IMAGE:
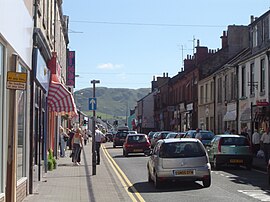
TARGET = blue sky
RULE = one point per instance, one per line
(124, 43)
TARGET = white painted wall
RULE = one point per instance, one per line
(16, 26)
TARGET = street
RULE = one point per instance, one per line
(228, 184)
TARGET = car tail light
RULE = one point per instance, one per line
(219, 146)
(128, 145)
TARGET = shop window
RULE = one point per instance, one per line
(1, 110)
(22, 107)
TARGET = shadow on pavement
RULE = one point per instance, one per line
(240, 175)
(146, 187)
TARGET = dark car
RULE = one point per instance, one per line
(136, 143)
(204, 136)
(119, 138)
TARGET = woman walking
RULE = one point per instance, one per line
(77, 145)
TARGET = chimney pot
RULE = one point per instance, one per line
(251, 18)
(198, 43)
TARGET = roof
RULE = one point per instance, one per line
(229, 135)
(180, 140)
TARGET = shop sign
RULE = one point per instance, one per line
(182, 107)
(16, 80)
(262, 103)
(71, 69)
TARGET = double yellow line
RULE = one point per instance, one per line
(134, 195)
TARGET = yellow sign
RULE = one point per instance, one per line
(17, 77)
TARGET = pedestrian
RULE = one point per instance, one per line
(99, 138)
(69, 142)
(85, 136)
(62, 138)
(256, 141)
(77, 145)
(265, 140)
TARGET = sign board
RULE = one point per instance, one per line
(92, 103)
(16, 80)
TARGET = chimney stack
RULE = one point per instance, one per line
(251, 18)
(224, 40)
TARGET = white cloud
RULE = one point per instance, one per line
(109, 66)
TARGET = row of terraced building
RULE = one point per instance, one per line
(227, 88)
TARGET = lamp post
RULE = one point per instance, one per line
(94, 155)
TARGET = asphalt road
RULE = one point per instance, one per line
(228, 184)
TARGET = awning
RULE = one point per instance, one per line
(60, 100)
(230, 116)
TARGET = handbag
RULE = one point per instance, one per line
(66, 138)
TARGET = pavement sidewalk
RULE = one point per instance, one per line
(76, 183)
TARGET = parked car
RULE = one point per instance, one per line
(119, 138)
(175, 135)
(136, 143)
(228, 149)
(109, 137)
(204, 136)
(159, 136)
(182, 159)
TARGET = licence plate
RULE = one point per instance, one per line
(236, 161)
(137, 150)
(184, 172)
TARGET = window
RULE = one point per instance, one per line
(255, 36)
(233, 86)
(252, 76)
(212, 91)
(243, 85)
(262, 80)
(226, 88)
(219, 90)
(206, 93)
(21, 102)
(202, 96)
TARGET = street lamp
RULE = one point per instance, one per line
(94, 155)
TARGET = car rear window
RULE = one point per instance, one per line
(181, 150)
(237, 141)
(121, 135)
(136, 139)
(206, 135)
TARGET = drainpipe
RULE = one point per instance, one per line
(32, 81)
(237, 98)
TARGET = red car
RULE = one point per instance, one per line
(136, 143)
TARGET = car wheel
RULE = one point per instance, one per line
(207, 182)
(215, 164)
(157, 182)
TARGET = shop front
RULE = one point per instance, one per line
(229, 118)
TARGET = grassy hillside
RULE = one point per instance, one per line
(111, 102)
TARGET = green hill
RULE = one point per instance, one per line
(111, 102)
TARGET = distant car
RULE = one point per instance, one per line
(182, 159)
(228, 149)
(204, 136)
(175, 135)
(159, 136)
(150, 135)
(136, 143)
(132, 132)
(119, 138)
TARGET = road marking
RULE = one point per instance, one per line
(123, 178)
(257, 194)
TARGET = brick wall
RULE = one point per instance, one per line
(21, 189)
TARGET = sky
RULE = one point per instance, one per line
(125, 43)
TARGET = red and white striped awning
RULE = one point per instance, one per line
(60, 100)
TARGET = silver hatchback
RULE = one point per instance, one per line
(182, 159)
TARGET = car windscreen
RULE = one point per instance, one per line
(181, 150)
(136, 139)
(234, 141)
(171, 135)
